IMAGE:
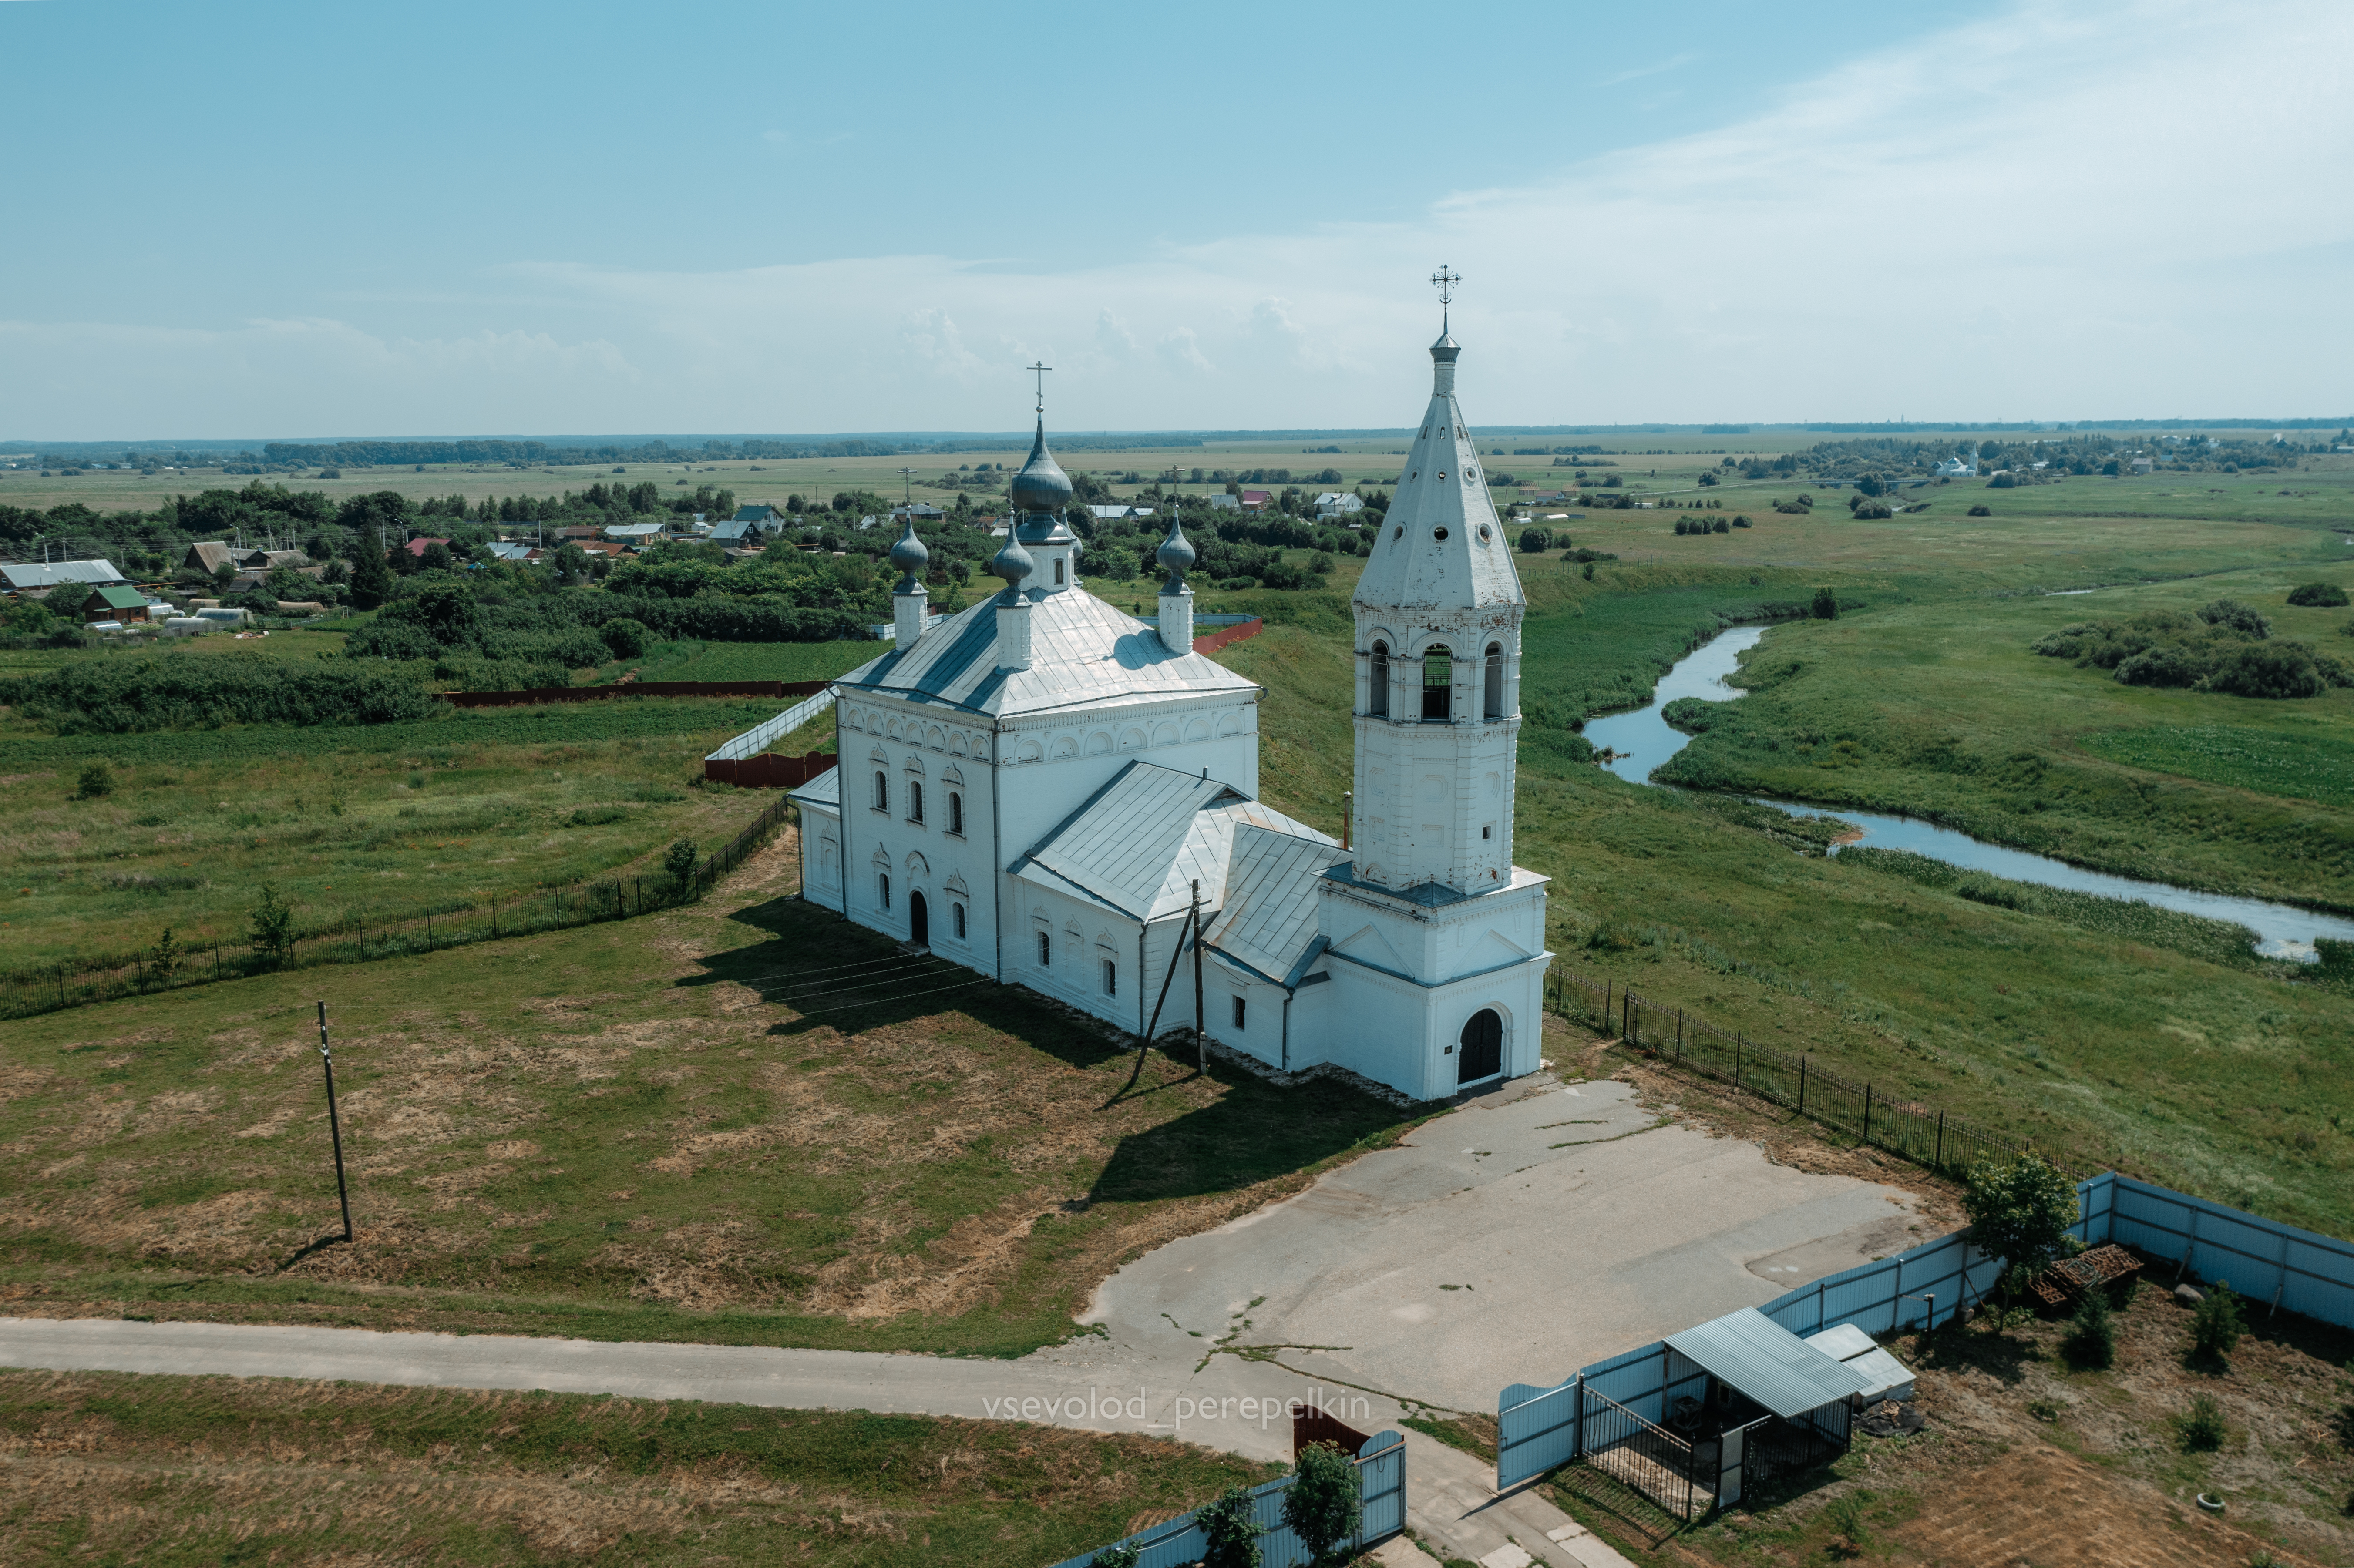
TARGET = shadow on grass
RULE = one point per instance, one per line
(1997, 1353)
(1251, 1132)
(322, 1244)
(1597, 1491)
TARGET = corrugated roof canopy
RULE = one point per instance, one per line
(1768, 1363)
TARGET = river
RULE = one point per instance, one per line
(1642, 740)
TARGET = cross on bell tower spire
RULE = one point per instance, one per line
(1040, 369)
(1445, 280)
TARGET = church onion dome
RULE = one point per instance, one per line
(1012, 562)
(1446, 351)
(1175, 556)
(910, 557)
(1041, 486)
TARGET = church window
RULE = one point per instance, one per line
(955, 813)
(1400, 534)
(916, 800)
(882, 882)
(882, 790)
(1495, 684)
(956, 920)
(1438, 533)
(1058, 571)
(1242, 1012)
(1437, 685)
(1045, 949)
(1378, 699)
(1111, 978)
(1487, 829)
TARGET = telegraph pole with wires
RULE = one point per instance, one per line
(335, 1125)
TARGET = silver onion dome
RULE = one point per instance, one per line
(1175, 554)
(1041, 486)
(1012, 562)
(910, 557)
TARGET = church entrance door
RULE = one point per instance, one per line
(1481, 1053)
(919, 921)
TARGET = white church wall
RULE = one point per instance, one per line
(1081, 938)
(1052, 765)
(820, 849)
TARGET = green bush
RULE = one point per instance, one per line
(2325, 596)
(97, 780)
(1826, 605)
(625, 637)
(1233, 1534)
(1321, 1505)
(1981, 510)
(273, 933)
(1537, 541)
(2091, 1340)
(2217, 1325)
(2202, 1425)
(1116, 1557)
(2019, 1211)
(679, 861)
(2239, 617)
(181, 691)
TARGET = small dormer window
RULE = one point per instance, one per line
(1058, 571)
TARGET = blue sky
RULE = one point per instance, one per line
(248, 220)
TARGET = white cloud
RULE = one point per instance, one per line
(2097, 210)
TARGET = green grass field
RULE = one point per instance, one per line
(104, 1467)
(1937, 709)
(386, 822)
(695, 661)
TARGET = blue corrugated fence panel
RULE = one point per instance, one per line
(1381, 1489)
(1636, 1380)
(1536, 1434)
(1381, 1513)
(2313, 1274)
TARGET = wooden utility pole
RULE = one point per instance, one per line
(1201, 1032)
(335, 1125)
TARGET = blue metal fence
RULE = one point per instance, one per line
(2264, 1260)
(1381, 1513)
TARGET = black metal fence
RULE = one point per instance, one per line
(1925, 1135)
(1639, 1454)
(357, 938)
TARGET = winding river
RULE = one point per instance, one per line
(1641, 740)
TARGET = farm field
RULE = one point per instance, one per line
(692, 660)
(109, 1467)
(384, 822)
(1940, 710)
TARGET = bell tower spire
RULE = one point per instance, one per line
(1438, 611)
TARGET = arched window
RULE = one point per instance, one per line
(914, 800)
(882, 881)
(1111, 978)
(1378, 702)
(1437, 683)
(1495, 690)
(955, 813)
(956, 920)
(882, 790)
(1045, 949)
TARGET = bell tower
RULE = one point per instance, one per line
(1437, 711)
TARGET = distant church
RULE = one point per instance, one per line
(1034, 787)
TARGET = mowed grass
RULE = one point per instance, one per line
(387, 822)
(1939, 710)
(2110, 1045)
(298, 644)
(109, 1467)
(741, 1122)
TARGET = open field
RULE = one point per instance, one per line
(166, 1470)
(386, 822)
(1939, 710)
(692, 660)
(2111, 1049)
(626, 1131)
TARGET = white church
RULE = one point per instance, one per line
(1040, 787)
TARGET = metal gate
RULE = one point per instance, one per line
(1651, 1459)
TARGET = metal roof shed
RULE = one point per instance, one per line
(1761, 1359)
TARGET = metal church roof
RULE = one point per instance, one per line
(1140, 843)
(1082, 652)
(1268, 917)
(1769, 1363)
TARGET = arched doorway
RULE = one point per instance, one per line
(1481, 1053)
(919, 921)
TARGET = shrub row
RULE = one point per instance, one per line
(181, 691)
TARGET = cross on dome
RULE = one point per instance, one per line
(1445, 279)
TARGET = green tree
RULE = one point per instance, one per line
(1825, 606)
(164, 958)
(437, 557)
(97, 780)
(272, 925)
(2019, 1211)
(371, 579)
(1321, 1503)
(1230, 1531)
(2092, 1341)
(679, 861)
